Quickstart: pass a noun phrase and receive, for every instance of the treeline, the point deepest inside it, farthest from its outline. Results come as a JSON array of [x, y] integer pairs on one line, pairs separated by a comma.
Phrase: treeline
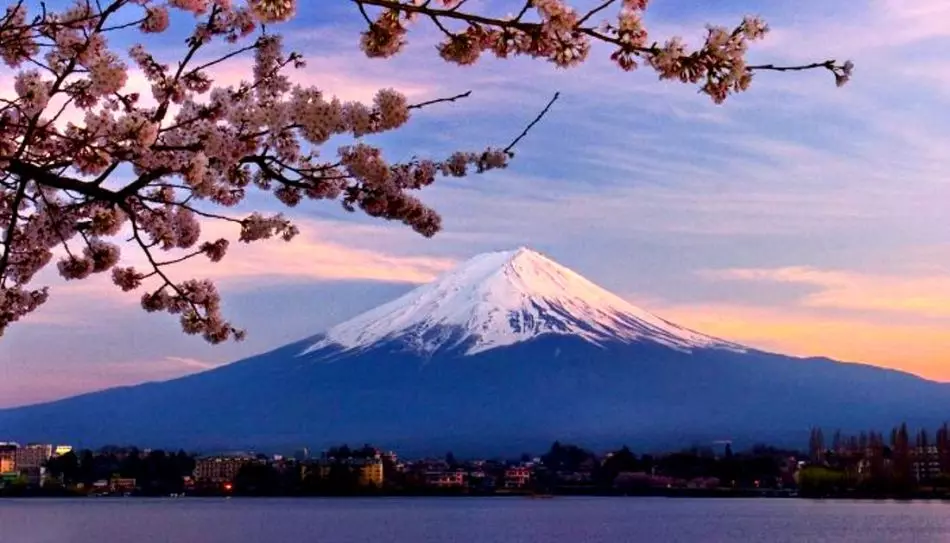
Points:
[[565, 467], [156, 473], [336, 474], [900, 464]]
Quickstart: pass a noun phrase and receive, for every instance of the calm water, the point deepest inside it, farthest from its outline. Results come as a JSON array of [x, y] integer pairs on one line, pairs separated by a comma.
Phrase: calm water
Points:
[[515, 520]]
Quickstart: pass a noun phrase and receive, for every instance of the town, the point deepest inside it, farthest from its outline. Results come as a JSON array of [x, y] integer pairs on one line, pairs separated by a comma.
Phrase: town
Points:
[[855, 466]]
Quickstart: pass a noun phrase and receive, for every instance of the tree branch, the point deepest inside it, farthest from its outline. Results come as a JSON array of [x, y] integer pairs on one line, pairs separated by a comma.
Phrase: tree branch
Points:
[[441, 100], [43, 177], [528, 128]]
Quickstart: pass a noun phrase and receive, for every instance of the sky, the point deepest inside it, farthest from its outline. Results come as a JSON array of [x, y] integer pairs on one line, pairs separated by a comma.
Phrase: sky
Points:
[[797, 217]]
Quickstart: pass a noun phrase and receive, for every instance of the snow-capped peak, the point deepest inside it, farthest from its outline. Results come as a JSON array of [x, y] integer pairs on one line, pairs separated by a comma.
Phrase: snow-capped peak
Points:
[[506, 297]]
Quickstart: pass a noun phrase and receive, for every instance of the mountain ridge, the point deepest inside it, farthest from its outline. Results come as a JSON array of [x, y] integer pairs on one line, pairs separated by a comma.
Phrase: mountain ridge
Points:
[[624, 383]]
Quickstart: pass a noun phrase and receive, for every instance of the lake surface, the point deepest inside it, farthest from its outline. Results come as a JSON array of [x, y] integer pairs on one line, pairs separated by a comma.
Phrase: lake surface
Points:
[[469, 520]]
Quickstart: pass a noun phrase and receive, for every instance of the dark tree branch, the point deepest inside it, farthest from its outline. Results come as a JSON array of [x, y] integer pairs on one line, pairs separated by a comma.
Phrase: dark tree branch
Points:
[[528, 128], [441, 100]]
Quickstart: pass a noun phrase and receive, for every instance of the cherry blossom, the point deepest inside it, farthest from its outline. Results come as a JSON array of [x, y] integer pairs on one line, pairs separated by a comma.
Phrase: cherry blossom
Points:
[[129, 179]]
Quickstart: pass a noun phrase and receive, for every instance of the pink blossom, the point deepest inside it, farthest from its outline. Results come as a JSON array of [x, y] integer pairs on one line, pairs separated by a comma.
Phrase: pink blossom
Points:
[[216, 250], [195, 6], [105, 221], [156, 19], [384, 38], [101, 254], [273, 11], [17, 302], [126, 278], [32, 91], [393, 109], [73, 267], [107, 76], [17, 42]]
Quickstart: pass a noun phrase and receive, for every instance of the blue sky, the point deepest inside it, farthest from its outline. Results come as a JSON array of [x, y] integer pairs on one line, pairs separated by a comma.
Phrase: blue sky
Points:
[[797, 217]]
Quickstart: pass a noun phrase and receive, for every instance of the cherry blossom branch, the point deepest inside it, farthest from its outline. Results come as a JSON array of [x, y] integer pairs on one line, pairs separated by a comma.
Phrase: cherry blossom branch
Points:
[[563, 36], [11, 228], [204, 147]]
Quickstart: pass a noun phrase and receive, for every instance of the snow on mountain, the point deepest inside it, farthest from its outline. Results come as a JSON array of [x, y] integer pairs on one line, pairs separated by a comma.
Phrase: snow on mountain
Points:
[[502, 298]]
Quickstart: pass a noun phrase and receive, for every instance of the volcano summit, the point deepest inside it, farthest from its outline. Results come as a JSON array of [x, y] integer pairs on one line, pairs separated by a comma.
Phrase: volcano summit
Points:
[[499, 299], [506, 353]]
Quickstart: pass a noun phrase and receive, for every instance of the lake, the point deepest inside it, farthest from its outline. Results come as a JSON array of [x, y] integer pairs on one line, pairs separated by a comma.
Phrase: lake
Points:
[[469, 520]]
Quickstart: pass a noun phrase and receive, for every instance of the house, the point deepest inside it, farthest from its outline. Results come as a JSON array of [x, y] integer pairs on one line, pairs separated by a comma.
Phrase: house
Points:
[[8, 457], [121, 485], [219, 469], [445, 479], [33, 455], [371, 472], [517, 477]]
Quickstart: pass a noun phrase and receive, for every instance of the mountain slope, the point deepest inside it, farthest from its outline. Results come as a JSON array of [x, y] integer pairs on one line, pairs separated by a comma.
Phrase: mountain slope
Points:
[[497, 299], [440, 368]]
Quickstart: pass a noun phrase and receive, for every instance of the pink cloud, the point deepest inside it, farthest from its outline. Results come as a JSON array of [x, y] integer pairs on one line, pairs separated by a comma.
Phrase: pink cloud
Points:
[[324, 252], [913, 347], [37, 386], [921, 296]]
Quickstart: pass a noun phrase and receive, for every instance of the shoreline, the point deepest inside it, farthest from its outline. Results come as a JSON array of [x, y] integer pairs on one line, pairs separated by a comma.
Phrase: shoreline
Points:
[[507, 495]]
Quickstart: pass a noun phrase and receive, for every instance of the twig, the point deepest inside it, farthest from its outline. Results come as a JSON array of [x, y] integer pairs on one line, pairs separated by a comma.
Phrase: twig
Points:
[[528, 128], [594, 11], [829, 64], [440, 100]]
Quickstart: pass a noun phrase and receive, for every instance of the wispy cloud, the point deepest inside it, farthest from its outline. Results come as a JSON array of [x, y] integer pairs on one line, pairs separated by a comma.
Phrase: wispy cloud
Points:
[[322, 253], [922, 296], [191, 363]]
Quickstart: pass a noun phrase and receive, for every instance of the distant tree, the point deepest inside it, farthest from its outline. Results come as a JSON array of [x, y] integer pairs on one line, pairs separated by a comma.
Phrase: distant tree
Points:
[[343, 451], [621, 461], [816, 445], [64, 467], [86, 157], [943, 448], [131, 465], [87, 467], [900, 445], [565, 457], [257, 479], [341, 479], [837, 443]]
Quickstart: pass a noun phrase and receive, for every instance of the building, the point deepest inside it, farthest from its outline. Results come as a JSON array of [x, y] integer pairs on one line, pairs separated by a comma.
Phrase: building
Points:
[[32, 456], [371, 472], [121, 485], [445, 479], [219, 469], [926, 465], [62, 449], [517, 477], [8, 457]]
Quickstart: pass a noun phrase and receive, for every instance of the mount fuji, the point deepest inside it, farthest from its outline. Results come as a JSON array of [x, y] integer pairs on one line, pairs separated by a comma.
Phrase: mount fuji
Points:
[[506, 353]]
